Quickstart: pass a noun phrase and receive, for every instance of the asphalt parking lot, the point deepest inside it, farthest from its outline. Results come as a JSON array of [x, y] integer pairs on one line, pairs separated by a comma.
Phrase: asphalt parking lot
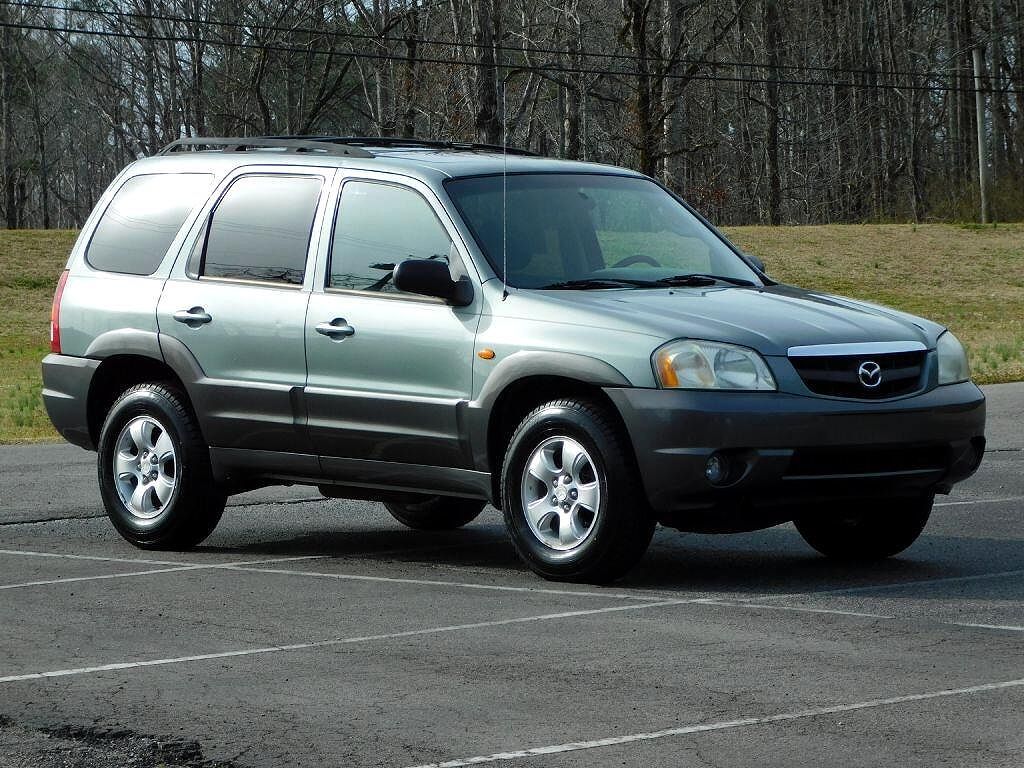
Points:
[[308, 632]]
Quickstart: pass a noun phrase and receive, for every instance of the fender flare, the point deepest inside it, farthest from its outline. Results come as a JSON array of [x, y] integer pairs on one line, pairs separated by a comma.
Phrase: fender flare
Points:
[[522, 365], [125, 341]]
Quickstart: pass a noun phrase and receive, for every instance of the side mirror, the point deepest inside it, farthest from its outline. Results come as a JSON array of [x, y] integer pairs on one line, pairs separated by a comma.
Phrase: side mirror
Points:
[[755, 262], [430, 277]]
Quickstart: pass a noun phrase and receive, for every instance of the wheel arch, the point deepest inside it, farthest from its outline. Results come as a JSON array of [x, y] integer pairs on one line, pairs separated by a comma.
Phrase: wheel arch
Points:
[[115, 374], [510, 395]]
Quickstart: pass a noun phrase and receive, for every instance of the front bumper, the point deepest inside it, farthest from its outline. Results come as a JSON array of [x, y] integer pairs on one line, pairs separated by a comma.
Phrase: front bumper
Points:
[[783, 448], [66, 382]]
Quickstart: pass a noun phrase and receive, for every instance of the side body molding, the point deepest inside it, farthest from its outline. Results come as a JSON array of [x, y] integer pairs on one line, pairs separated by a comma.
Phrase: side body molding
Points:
[[523, 365]]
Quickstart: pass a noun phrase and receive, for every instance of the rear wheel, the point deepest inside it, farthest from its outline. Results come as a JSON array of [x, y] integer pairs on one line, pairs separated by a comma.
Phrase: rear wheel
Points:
[[154, 471], [571, 495], [866, 529], [436, 513]]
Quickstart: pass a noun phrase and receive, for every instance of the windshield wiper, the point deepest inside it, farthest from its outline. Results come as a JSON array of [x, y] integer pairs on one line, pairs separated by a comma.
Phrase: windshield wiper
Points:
[[699, 278], [597, 282]]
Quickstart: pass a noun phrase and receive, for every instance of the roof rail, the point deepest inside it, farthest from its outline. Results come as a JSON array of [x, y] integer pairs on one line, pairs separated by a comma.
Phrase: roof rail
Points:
[[297, 144], [399, 142]]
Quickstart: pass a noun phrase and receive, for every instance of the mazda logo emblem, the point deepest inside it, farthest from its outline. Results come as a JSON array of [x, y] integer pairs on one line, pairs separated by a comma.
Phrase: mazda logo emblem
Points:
[[870, 374]]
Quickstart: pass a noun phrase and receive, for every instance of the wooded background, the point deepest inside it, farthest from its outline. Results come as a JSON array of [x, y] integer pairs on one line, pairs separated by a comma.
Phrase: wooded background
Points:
[[772, 111]]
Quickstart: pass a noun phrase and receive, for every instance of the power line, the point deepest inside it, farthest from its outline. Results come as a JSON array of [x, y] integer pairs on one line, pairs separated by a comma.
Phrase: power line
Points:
[[523, 67], [527, 50]]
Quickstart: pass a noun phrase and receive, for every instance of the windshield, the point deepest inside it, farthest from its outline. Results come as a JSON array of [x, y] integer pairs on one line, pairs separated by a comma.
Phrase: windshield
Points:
[[563, 228]]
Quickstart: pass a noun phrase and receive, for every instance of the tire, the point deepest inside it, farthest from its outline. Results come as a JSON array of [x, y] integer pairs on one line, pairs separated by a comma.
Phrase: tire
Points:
[[850, 533], [436, 513], [596, 526], [179, 503]]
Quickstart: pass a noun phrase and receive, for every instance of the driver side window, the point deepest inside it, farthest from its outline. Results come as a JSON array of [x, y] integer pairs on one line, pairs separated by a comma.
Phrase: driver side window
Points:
[[377, 226]]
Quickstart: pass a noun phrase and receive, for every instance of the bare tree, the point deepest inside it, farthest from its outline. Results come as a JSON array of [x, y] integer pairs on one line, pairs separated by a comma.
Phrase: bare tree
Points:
[[757, 110]]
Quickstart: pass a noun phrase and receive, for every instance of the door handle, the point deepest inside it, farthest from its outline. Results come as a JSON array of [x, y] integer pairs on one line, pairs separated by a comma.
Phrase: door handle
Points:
[[193, 317], [338, 329]]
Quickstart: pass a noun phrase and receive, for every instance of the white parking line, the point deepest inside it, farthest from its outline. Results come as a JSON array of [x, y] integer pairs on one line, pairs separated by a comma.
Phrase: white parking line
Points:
[[338, 641], [462, 584], [29, 553], [102, 577], [612, 741], [241, 566], [183, 567], [977, 501], [621, 594], [1004, 627], [653, 595], [856, 614], [889, 586], [796, 608]]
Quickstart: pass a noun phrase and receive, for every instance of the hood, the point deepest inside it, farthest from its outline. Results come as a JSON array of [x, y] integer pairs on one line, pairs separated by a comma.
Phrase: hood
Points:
[[770, 319]]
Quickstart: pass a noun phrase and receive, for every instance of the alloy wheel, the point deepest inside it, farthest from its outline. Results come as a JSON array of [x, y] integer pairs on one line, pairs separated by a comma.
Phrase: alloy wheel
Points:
[[145, 467], [561, 493]]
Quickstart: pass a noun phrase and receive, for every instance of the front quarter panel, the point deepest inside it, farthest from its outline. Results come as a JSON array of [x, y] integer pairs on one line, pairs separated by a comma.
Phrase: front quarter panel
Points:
[[568, 344], [527, 345]]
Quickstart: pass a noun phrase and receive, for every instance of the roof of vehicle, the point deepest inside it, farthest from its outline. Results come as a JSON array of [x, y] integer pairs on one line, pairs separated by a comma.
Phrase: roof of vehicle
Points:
[[431, 162]]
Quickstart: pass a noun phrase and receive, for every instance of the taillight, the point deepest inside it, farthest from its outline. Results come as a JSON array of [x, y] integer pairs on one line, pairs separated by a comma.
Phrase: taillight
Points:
[[55, 313]]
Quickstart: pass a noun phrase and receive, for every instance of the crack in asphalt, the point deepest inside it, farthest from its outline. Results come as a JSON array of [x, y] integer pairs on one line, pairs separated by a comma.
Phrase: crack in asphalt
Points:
[[42, 520]]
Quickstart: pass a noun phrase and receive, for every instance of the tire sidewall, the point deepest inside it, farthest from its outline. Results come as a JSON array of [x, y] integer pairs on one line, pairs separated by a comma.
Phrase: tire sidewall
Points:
[[554, 421], [143, 401]]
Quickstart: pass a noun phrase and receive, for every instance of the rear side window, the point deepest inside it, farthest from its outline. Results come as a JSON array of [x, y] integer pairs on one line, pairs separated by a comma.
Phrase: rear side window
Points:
[[141, 221], [260, 229]]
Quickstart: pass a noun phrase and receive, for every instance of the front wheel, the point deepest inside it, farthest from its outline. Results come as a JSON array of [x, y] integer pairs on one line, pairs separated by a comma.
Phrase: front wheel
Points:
[[154, 471], [866, 529], [572, 499]]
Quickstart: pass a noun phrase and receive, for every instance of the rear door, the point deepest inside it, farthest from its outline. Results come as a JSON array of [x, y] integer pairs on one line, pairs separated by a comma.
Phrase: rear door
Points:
[[389, 388], [238, 304]]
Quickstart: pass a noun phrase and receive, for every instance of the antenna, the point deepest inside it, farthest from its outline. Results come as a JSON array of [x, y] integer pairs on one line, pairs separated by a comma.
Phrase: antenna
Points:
[[504, 194]]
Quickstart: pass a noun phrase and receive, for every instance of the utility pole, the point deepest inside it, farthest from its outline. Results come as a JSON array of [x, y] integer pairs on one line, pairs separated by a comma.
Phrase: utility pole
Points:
[[979, 109]]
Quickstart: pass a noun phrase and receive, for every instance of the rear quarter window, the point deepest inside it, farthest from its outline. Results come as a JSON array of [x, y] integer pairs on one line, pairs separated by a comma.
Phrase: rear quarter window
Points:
[[141, 221]]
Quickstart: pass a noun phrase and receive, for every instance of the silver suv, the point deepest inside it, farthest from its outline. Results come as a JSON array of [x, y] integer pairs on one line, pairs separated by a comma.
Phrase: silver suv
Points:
[[438, 326]]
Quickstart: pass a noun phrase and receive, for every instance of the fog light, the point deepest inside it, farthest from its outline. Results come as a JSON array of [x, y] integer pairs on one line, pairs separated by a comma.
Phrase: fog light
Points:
[[717, 469]]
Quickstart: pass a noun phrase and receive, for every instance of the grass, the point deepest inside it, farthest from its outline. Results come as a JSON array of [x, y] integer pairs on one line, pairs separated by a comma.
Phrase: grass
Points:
[[30, 263], [968, 277]]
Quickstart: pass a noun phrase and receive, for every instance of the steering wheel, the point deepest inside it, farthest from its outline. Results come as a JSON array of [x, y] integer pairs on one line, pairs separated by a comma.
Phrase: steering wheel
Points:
[[636, 258]]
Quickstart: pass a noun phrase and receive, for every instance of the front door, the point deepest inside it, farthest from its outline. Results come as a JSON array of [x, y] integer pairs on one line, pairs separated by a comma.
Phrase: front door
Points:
[[387, 371], [239, 306]]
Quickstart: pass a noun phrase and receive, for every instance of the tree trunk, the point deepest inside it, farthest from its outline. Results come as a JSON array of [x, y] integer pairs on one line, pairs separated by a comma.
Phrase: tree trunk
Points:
[[44, 161], [647, 138], [149, 109], [487, 28], [773, 42], [674, 123], [197, 50], [409, 74]]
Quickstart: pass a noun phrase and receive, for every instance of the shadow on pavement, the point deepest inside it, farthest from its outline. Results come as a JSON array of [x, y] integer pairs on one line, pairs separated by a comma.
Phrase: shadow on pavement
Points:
[[773, 561]]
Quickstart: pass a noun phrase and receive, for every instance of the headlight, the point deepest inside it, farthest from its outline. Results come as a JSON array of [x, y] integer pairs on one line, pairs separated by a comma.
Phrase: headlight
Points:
[[689, 364], [953, 365]]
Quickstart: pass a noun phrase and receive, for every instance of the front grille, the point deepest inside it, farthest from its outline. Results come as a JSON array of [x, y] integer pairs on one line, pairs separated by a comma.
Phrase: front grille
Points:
[[838, 375], [866, 460]]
